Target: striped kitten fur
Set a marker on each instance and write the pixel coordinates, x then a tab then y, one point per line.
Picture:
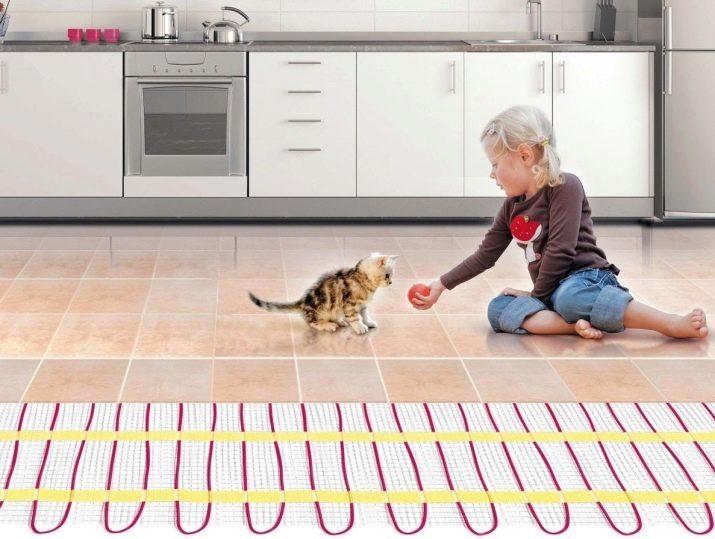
340	298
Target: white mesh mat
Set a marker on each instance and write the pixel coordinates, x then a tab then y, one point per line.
478	468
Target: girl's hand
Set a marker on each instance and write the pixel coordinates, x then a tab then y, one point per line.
514	292
425	302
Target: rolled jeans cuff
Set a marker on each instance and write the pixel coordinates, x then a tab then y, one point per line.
609	309
514	314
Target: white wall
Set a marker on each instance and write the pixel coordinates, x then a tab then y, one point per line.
560	16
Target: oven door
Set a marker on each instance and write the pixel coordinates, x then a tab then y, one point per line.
185	126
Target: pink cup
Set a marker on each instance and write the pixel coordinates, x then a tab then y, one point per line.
74	35
111	35
93	35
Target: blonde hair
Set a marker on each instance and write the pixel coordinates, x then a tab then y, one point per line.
529	125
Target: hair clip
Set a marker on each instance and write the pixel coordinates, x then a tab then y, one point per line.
543	140
492	129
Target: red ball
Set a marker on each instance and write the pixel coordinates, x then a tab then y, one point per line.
420	288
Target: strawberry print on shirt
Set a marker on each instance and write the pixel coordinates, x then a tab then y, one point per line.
525	231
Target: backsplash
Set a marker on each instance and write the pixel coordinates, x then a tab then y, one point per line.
568	18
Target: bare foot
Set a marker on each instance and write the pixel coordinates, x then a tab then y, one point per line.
586	330
692	325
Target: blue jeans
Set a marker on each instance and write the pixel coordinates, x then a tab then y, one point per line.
592	294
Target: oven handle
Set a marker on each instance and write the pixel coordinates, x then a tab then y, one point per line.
197	80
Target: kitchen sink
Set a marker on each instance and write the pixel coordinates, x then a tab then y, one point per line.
523	42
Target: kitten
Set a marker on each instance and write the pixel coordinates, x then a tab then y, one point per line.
340	298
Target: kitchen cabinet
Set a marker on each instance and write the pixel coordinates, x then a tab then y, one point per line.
61	124
493	82
410	120
301	124
602	116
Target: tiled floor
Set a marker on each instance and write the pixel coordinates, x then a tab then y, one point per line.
160	313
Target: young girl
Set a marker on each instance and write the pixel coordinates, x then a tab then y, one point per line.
547	213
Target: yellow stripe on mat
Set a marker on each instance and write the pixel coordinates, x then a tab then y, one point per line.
380	437
359	497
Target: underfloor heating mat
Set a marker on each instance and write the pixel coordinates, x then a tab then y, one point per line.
367	470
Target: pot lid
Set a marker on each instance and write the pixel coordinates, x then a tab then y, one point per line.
160	4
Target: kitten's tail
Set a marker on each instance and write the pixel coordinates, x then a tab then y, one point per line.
294	306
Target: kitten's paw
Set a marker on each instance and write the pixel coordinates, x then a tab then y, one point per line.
343	323
360	328
371	324
324	326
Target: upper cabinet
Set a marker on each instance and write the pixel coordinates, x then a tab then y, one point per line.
493	82
301	124
602	120
410	120
61	124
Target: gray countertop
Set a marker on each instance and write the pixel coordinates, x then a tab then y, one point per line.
326	46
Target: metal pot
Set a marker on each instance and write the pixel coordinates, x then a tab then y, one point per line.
224	31
160	22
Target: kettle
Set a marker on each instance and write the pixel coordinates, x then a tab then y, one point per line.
224	31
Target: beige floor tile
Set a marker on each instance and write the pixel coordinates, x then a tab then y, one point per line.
38	296
676	238
242	241
370	244
56	265
134	243
77	380
255	380
633	266
167	380
340	381
251	264
606	380
5	285
471	297
411	336
122	265
517	380
189	243
696	264
18	243
110	296
641	343
12	262
511	265
233	294
677	296
313	263
340	344
309	242
469	243
257	336
426	381
393	300
564	346
15	375
178	265
70	243
182	296
24	336
178	336
682	380
474	337
95	336
428	265
419	243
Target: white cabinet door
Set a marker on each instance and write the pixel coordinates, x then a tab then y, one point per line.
602	120
493	82
410	118
302	124
61	124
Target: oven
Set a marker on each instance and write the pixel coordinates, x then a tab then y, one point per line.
185	124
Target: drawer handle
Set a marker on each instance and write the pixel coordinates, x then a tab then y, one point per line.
305	149
305	121
304	63
305	91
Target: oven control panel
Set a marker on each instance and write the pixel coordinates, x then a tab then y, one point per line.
184	64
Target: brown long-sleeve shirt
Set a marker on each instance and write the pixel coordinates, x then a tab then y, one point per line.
555	230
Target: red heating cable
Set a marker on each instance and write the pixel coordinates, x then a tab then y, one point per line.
381	476
639	522
685	428
15	451
343	466
279	461
177	503
448	476
73	481
655	481
567	517
110	474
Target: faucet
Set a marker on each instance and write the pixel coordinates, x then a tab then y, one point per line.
538	16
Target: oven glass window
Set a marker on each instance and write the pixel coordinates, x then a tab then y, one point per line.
185	120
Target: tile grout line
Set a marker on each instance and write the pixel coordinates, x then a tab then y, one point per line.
59	325
290	323
653	385
213	355
379	372
558	375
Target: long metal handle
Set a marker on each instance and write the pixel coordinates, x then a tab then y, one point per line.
183	80
305	91
305	149
668	24
668	86
304	63
542	73
236	10
3	77
563	77
453	77
305	121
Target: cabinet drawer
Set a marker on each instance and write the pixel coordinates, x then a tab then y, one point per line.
304	71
